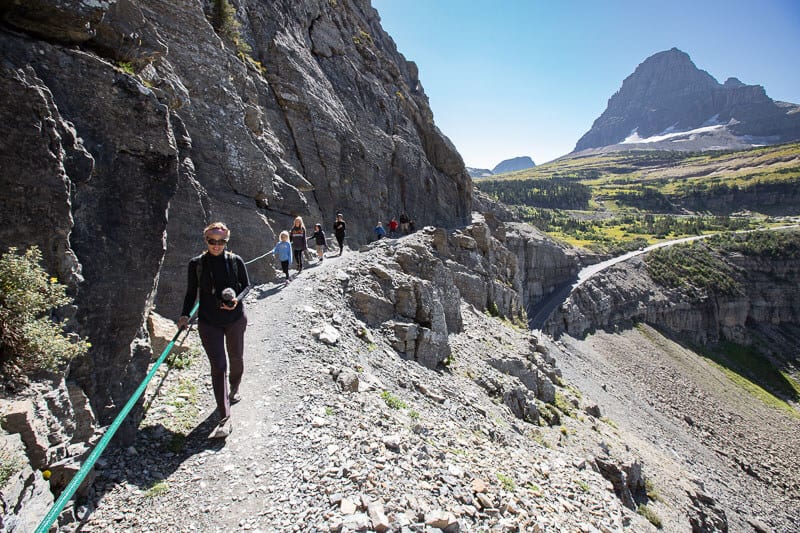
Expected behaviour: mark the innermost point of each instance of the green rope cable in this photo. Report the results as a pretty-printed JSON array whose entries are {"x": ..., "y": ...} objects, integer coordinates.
[{"x": 76, "y": 481}]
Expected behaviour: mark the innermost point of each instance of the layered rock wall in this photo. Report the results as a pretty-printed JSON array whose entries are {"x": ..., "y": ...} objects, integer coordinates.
[
  {"x": 625, "y": 293},
  {"x": 544, "y": 264}
]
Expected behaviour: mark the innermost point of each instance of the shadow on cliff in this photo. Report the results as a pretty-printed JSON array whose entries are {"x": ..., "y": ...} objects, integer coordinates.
[
  {"x": 749, "y": 363},
  {"x": 540, "y": 312}
]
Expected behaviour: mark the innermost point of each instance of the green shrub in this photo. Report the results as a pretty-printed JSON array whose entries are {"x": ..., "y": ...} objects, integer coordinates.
[
  {"x": 230, "y": 29},
  {"x": 393, "y": 401},
  {"x": 507, "y": 481},
  {"x": 30, "y": 338},
  {"x": 10, "y": 464},
  {"x": 563, "y": 404},
  {"x": 652, "y": 493},
  {"x": 157, "y": 489},
  {"x": 651, "y": 516},
  {"x": 694, "y": 268},
  {"x": 184, "y": 359}
]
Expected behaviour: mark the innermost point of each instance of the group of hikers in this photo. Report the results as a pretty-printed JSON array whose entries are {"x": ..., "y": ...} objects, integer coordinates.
[
  {"x": 219, "y": 279},
  {"x": 293, "y": 244},
  {"x": 405, "y": 226}
]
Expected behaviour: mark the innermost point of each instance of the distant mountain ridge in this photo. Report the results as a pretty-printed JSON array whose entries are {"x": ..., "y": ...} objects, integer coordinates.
[
  {"x": 514, "y": 164},
  {"x": 479, "y": 172},
  {"x": 507, "y": 165},
  {"x": 670, "y": 104}
]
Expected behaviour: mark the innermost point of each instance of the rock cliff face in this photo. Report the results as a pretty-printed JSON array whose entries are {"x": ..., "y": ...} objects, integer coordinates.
[
  {"x": 544, "y": 264},
  {"x": 133, "y": 123},
  {"x": 498, "y": 268},
  {"x": 667, "y": 93},
  {"x": 768, "y": 303}
]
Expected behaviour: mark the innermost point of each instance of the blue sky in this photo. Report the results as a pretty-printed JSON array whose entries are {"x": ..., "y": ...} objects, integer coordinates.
[{"x": 508, "y": 78}]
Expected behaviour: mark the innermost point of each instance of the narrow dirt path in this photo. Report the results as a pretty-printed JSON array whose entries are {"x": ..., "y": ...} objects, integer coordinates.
[{"x": 239, "y": 483}]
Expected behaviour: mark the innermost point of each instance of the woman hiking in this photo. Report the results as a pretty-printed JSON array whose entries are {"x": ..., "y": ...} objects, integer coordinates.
[
  {"x": 218, "y": 276},
  {"x": 298, "y": 237}
]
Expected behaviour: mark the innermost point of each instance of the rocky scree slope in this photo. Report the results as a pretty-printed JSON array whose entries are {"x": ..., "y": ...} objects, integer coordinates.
[
  {"x": 131, "y": 124},
  {"x": 352, "y": 421},
  {"x": 691, "y": 422}
]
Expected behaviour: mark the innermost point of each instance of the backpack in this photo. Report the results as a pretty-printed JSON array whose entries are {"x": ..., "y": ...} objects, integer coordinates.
[{"x": 232, "y": 266}]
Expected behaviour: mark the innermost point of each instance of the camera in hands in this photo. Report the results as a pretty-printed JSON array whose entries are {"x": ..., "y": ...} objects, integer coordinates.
[{"x": 228, "y": 298}]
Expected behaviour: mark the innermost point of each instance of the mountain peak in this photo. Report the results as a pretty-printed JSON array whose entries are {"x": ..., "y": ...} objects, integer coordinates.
[
  {"x": 733, "y": 82},
  {"x": 668, "y": 94}
]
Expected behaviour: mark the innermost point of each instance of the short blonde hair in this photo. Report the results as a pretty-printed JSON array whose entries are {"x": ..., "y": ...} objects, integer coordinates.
[
  {"x": 217, "y": 227},
  {"x": 284, "y": 236}
]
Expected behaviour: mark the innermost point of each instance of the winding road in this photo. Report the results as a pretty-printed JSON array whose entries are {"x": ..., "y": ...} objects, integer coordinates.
[{"x": 539, "y": 314}]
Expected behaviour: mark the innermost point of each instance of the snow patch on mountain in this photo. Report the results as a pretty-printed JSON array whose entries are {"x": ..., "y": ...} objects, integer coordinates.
[{"x": 674, "y": 136}]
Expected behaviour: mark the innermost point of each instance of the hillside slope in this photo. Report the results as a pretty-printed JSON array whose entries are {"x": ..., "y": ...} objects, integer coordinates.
[
  {"x": 710, "y": 372},
  {"x": 689, "y": 416},
  {"x": 380, "y": 393},
  {"x": 375, "y": 396}
]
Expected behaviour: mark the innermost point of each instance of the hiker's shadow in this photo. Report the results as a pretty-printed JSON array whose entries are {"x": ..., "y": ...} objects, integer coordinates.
[
  {"x": 154, "y": 456},
  {"x": 263, "y": 291}
]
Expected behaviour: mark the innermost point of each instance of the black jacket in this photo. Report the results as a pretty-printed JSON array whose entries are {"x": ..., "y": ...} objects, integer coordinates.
[{"x": 210, "y": 275}]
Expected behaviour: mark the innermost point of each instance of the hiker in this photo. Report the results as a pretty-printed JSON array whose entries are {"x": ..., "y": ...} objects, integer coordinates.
[
  {"x": 218, "y": 276},
  {"x": 393, "y": 227},
  {"x": 319, "y": 240},
  {"x": 283, "y": 251},
  {"x": 298, "y": 237},
  {"x": 338, "y": 231},
  {"x": 379, "y": 231},
  {"x": 404, "y": 220}
]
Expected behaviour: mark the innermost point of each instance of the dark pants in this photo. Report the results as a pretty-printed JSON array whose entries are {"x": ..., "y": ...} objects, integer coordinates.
[
  {"x": 285, "y": 268},
  {"x": 298, "y": 259},
  {"x": 340, "y": 240},
  {"x": 215, "y": 339}
]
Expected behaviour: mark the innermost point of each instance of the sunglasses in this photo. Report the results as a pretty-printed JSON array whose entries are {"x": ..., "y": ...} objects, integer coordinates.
[{"x": 217, "y": 242}]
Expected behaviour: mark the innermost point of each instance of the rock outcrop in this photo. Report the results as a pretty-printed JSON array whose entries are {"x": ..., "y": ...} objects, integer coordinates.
[
  {"x": 131, "y": 124},
  {"x": 498, "y": 268},
  {"x": 667, "y": 94},
  {"x": 544, "y": 264},
  {"x": 44, "y": 439}
]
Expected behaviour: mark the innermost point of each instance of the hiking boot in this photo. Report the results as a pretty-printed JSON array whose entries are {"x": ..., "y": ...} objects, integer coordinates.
[
  {"x": 235, "y": 397},
  {"x": 223, "y": 429}
]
